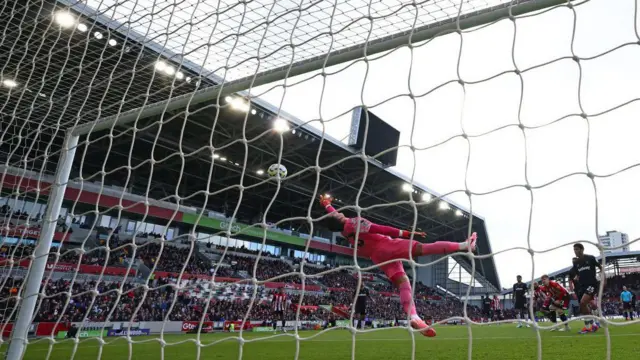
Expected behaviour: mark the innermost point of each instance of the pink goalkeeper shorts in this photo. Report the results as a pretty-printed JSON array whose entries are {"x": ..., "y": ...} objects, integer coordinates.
[{"x": 393, "y": 249}]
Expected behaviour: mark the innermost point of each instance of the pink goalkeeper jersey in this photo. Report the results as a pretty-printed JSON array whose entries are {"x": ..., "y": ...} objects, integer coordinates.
[{"x": 368, "y": 233}]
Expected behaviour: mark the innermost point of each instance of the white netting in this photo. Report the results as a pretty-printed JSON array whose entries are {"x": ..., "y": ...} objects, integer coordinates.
[{"x": 149, "y": 233}]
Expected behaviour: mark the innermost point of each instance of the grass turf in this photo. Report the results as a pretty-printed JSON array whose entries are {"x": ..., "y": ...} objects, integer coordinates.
[{"x": 503, "y": 341}]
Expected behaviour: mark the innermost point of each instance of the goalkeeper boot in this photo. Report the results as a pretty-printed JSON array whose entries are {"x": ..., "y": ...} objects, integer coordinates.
[
  {"x": 470, "y": 243},
  {"x": 424, "y": 329}
]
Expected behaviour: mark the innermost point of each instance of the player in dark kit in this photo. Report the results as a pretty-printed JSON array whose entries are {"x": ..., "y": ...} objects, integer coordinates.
[
  {"x": 360, "y": 311},
  {"x": 585, "y": 267},
  {"x": 486, "y": 307},
  {"x": 520, "y": 290}
]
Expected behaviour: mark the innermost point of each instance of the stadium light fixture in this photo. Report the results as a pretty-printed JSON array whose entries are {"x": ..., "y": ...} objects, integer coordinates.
[
  {"x": 170, "y": 70},
  {"x": 239, "y": 104},
  {"x": 64, "y": 19},
  {"x": 179, "y": 75},
  {"x": 253, "y": 111},
  {"x": 443, "y": 205},
  {"x": 293, "y": 131},
  {"x": 458, "y": 212},
  {"x": 260, "y": 172},
  {"x": 188, "y": 79},
  {"x": 82, "y": 27},
  {"x": 113, "y": 42},
  {"x": 215, "y": 156},
  {"x": 327, "y": 195},
  {"x": 228, "y": 99},
  {"x": 280, "y": 125},
  {"x": 223, "y": 159},
  {"x": 407, "y": 187},
  {"x": 9, "y": 83},
  {"x": 97, "y": 35},
  {"x": 426, "y": 197},
  {"x": 160, "y": 65}
]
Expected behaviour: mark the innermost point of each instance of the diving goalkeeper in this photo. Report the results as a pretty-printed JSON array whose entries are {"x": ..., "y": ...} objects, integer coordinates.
[{"x": 382, "y": 243}]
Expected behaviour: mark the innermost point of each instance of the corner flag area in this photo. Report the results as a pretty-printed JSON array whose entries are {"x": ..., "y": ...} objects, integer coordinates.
[{"x": 489, "y": 342}]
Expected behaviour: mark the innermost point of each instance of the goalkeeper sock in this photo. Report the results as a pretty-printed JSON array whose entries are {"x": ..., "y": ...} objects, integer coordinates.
[
  {"x": 441, "y": 247},
  {"x": 406, "y": 299},
  {"x": 563, "y": 317},
  {"x": 553, "y": 318}
]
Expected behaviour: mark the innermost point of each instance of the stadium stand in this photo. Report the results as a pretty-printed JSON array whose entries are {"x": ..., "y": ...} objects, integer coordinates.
[{"x": 230, "y": 301}]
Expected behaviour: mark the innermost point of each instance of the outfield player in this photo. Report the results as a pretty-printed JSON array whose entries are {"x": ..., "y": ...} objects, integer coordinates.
[
  {"x": 538, "y": 298},
  {"x": 557, "y": 301},
  {"x": 385, "y": 243},
  {"x": 360, "y": 311},
  {"x": 520, "y": 290},
  {"x": 496, "y": 308},
  {"x": 626, "y": 298},
  {"x": 585, "y": 267},
  {"x": 486, "y": 307},
  {"x": 279, "y": 307}
]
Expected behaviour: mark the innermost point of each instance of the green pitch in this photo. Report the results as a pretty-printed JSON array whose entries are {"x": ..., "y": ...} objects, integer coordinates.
[{"x": 503, "y": 341}]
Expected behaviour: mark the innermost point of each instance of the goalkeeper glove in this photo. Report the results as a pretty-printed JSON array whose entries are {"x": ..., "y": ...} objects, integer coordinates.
[{"x": 325, "y": 200}]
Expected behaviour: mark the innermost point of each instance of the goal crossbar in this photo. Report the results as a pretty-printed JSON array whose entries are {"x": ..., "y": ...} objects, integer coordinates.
[{"x": 337, "y": 57}]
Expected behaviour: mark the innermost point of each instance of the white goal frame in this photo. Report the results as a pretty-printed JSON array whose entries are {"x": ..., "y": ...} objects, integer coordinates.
[{"x": 19, "y": 340}]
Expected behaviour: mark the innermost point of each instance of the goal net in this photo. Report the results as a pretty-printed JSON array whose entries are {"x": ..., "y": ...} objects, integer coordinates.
[{"x": 162, "y": 163}]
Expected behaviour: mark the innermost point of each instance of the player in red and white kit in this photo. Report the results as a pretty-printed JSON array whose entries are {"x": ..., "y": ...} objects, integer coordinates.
[
  {"x": 279, "y": 307},
  {"x": 385, "y": 243},
  {"x": 557, "y": 301},
  {"x": 496, "y": 307}
]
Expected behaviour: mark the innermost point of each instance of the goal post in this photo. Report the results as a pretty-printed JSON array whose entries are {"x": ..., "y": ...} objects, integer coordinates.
[
  {"x": 31, "y": 293},
  {"x": 390, "y": 42}
]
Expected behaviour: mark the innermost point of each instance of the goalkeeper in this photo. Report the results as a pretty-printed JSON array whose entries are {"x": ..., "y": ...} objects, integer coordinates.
[{"x": 384, "y": 243}]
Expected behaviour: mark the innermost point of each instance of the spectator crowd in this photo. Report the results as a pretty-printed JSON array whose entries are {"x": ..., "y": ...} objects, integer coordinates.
[{"x": 166, "y": 303}]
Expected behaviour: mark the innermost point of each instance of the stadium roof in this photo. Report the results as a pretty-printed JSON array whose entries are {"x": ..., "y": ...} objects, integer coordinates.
[{"x": 63, "y": 77}]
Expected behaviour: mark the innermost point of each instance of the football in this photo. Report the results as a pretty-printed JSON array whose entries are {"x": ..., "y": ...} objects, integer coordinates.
[{"x": 275, "y": 170}]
